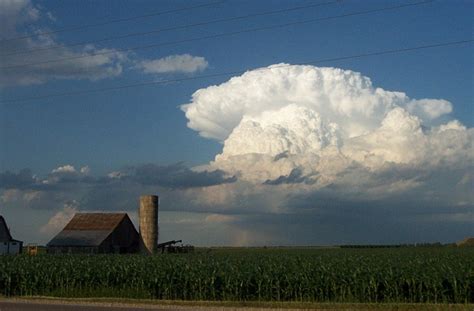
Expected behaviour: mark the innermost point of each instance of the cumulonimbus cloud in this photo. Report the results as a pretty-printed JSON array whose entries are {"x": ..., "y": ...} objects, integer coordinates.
[
  {"x": 319, "y": 151},
  {"x": 323, "y": 120},
  {"x": 322, "y": 150}
]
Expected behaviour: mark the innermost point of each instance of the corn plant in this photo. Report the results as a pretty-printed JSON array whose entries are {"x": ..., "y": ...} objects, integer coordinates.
[{"x": 435, "y": 275}]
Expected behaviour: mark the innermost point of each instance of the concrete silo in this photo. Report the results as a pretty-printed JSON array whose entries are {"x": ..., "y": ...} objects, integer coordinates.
[{"x": 148, "y": 218}]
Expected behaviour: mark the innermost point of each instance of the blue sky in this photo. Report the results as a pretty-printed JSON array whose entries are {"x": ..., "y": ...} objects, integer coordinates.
[{"x": 118, "y": 130}]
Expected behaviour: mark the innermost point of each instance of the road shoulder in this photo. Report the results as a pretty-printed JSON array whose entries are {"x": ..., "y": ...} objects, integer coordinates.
[{"x": 228, "y": 305}]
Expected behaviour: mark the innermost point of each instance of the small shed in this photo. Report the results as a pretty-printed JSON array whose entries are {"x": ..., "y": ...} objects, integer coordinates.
[
  {"x": 96, "y": 233},
  {"x": 8, "y": 245}
]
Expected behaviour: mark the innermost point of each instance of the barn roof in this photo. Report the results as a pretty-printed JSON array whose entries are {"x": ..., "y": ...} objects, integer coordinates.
[
  {"x": 95, "y": 221},
  {"x": 88, "y": 229},
  {"x": 85, "y": 238},
  {"x": 5, "y": 235}
]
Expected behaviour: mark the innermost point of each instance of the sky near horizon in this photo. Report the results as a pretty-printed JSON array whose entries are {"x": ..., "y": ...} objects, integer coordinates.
[{"x": 285, "y": 151}]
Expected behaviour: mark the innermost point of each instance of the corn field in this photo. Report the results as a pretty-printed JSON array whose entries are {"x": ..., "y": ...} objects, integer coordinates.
[{"x": 437, "y": 275}]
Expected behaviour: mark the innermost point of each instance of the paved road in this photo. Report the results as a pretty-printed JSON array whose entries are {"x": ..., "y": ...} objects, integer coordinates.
[{"x": 33, "y": 306}]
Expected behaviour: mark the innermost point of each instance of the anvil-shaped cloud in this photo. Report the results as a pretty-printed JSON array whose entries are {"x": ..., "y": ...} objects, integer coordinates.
[{"x": 317, "y": 123}]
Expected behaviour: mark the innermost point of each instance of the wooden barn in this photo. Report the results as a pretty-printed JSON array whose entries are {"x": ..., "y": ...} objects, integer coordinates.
[
  {"x": 95, "y": 233},
  {"x": 8, "y": 245}
]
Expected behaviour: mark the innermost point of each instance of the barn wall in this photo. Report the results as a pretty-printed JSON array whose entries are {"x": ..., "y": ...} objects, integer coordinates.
[
  {"x": 15, "y": 247},
  {"x": 3, "y": 248},
  {"x": 12, "y": 247},
  {"x": 124, "y": 239}
]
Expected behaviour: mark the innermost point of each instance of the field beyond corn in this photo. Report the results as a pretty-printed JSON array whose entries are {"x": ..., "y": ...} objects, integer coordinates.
[{"x": 435, "y": 275}]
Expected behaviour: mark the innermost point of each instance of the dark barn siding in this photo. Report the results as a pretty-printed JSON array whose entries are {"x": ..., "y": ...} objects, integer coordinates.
[{"x": 124, "y": 239}]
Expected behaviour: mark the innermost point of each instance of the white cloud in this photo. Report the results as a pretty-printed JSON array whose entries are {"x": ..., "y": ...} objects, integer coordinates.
[
  {"x": 115, "y": 175},
  {"x": 430, "y": 109},
  {"x": 15, "y": 14},
  {"x": 11, "y": 195},
  {"x": 51, "y": 16},
  {"x": 291, "y": 129},
  {"x": 64, "y": 169},
  {"x": 85, "y": 170},
  {"x": 67, "y": 174},
  {"x": 184, "y": 63},
  {"x": 69, "y": 169},
  {"x": 452, "y": 125},
  {"x": 309, "y": 125},
  {"x": 60, "y": 219},
  {"x": 339, "y": 96}
]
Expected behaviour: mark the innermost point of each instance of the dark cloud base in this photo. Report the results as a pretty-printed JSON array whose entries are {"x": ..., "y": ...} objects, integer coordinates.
[{"x": 334, "y": 214}]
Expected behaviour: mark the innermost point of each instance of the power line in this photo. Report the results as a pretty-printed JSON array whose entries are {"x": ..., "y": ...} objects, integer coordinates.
[
  {"x": 221, "y": 34},
  {"x": 113, "y": 21},
  {"x": 230, "y": 73},
  {"x": 136, "y": 34}
]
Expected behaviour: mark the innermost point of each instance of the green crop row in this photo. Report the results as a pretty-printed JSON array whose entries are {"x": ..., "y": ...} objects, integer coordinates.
[{"x": 322, "y": 275}]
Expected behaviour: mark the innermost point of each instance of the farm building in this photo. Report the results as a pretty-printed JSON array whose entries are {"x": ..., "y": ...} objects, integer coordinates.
[
  {"x": 8, "y": 245},
  {"x": 97, "y": 233}
]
